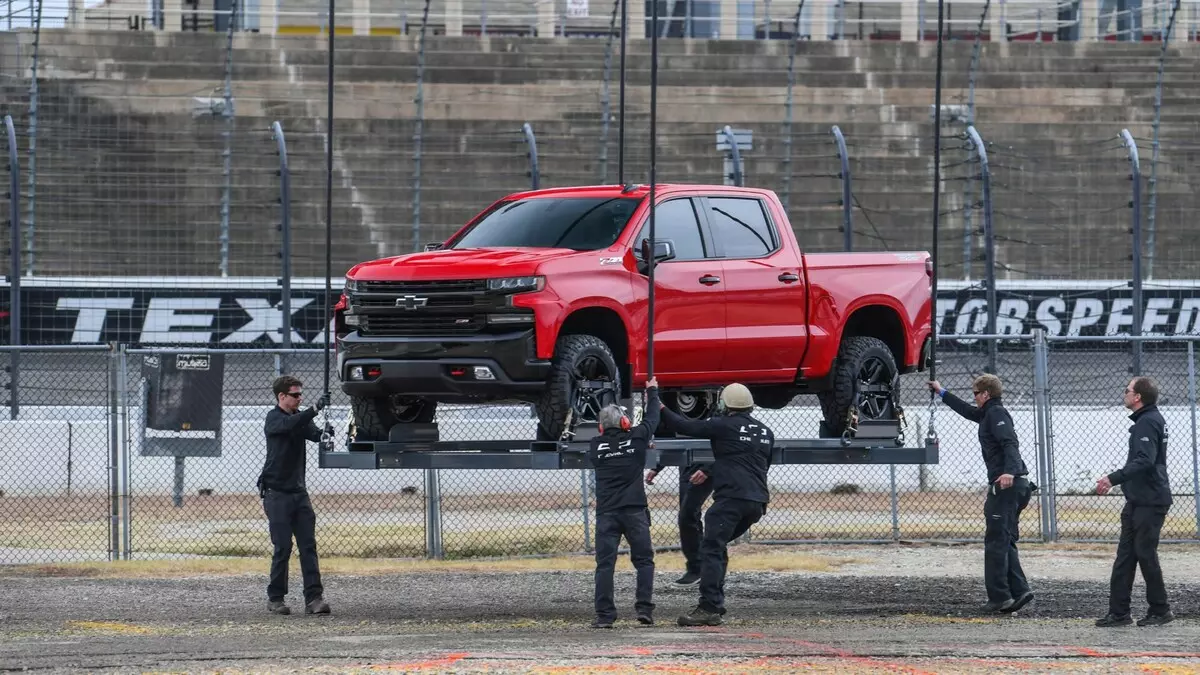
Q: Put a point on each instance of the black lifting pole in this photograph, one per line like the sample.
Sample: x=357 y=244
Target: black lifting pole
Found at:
x=326 y=442
x=621 y=104
x=937 y=183
x=650 y=259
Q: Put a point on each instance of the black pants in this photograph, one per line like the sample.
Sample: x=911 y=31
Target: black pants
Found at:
x=691 y=527
x=291 y=514
x=1141 y=527
x=726 y=520
x=1002 y=573
x=634 y=524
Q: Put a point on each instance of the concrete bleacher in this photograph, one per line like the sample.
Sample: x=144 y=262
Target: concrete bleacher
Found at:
x=130 y=179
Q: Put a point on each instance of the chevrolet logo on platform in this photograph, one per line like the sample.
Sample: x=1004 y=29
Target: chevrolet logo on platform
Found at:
x=411 y=302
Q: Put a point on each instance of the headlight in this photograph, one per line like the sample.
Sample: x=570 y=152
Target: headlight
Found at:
x=517 y=284
x=350 y=287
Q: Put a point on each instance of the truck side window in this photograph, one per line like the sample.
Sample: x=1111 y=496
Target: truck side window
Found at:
x=742 y=227
x=676 y=220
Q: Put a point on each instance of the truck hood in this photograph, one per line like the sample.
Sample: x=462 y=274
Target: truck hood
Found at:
x=467 y=263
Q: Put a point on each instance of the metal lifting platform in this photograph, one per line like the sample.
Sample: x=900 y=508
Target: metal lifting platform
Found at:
x=416 y=447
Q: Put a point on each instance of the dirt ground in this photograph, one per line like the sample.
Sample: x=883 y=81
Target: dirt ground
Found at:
x=846 y=609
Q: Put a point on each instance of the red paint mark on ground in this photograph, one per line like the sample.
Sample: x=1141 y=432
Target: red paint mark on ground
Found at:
x=1087 y=651
x=449 y=659
x=830 y=650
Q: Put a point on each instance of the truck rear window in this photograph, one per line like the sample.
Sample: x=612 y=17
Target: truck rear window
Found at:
x=580 y=223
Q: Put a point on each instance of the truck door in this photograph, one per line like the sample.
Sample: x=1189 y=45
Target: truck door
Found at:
x=689 y=298
x=766 y=326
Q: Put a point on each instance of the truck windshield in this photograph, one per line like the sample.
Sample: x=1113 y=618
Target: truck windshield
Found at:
x=580 y=223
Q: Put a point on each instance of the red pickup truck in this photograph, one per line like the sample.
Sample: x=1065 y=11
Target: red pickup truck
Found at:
x=542 y=298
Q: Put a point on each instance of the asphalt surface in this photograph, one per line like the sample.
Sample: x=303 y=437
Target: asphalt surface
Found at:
x=537 y=622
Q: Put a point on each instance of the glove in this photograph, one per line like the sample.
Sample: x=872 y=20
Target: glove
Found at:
x=322 y=402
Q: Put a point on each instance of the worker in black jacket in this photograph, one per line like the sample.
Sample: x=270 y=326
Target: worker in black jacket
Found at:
x=695 y=487
x=1147 y=491
x=618 y=455
x=285 y=496
x=1008 y=494
x=741 y=447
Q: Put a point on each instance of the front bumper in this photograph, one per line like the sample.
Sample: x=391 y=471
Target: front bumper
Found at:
x=443 y=369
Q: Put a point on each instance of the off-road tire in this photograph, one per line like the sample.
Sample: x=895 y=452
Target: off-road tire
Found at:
x=374 y=416
x=699 y=411
x=555 y=402
x=855 y=353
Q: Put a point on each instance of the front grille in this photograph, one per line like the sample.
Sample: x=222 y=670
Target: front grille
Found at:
x=396 y=325
x=369 y=302
x=450 y=286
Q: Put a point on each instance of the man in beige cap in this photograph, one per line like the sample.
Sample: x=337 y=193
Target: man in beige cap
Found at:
x=741 y=448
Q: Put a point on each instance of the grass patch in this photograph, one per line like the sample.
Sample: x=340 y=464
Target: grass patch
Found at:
x=108 y=628
x=745 y=558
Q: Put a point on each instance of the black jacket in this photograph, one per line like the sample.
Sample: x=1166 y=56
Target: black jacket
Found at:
x=619 y=458
x=1144 y=475
x=997 y=437
x=741 y=448
x=286 y=452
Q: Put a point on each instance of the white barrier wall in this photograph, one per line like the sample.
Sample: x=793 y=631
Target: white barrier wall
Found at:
x=36 y=450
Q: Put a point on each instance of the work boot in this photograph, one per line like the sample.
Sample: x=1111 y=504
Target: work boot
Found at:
x=645 y=618
x=1114 y=620
x=1005 y=606
x=599 y=622
x=1019 y=603
x=317 y=606
x=687 y=579
x=700 y=617
x=277 y=607
x=1156 y=619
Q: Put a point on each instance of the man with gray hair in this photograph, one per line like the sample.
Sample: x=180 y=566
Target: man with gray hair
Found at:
x=618 y=455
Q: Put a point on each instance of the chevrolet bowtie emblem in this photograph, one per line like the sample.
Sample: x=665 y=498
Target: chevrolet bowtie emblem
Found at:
x=411 y=302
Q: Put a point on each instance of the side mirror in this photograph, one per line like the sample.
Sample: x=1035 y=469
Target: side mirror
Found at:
x=434 y=246
x=664 y=250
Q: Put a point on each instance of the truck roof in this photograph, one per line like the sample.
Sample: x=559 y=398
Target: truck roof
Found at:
x=631 y=190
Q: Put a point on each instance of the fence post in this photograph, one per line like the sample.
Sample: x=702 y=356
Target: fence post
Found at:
x=606 y=94
x=226 y=154
x=1040 y=416
x=433 y=515
x=1135 y=203
x=419 y=99
x=1151 y=226
x=786 y=192
x=989 y=243
x=587 y=522
x=847 y=228
x=14 y=274
x=285 y=251
x=126 y=450
x=531 y=146
x=114 y=460
x=1191 y=351
x=735 y=154
x=34 y=95
x=969 y=183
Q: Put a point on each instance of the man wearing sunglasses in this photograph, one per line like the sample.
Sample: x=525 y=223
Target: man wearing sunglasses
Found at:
x=1008 y=494
x=285 y=497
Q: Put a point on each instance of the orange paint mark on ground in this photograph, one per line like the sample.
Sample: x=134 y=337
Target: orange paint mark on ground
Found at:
x=861 y=660
x=449 y=659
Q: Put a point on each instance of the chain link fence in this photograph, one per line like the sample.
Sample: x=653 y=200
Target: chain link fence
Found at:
x=88 y=473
